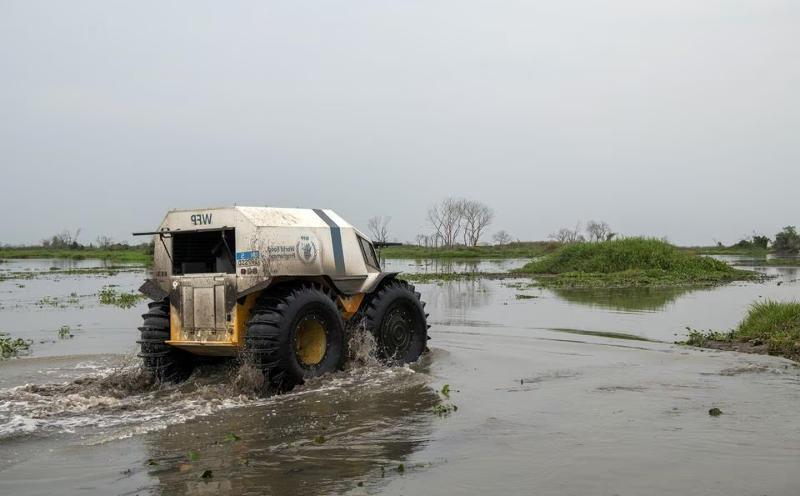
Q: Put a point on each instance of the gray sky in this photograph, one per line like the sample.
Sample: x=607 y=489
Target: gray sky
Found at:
x=671 y=118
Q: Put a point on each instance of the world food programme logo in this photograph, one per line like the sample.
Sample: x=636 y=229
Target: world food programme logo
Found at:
x=306 y=250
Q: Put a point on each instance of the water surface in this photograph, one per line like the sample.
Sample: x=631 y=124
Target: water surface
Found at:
x=547 y=403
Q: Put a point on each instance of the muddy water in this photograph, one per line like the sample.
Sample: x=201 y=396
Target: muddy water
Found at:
x=547 y=403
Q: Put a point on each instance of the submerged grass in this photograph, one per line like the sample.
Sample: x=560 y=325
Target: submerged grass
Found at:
x=528 y=249
x=770 y=326
x=602 y=334
x=630 y=262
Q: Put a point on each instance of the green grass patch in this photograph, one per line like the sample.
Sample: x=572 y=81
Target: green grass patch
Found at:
x=775 y=323
x=132 y=255
x=630 y=262
x=770 y=327
x=530 y=249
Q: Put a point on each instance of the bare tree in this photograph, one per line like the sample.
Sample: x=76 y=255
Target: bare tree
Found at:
x=599 y=231
x=379 y=228
x=566 y=235
x=476 y=218
x=446 y=218
x=501 y=237
x=64 y=239
x=104 y=241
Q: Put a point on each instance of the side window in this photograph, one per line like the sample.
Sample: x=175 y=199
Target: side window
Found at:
x=369 y=253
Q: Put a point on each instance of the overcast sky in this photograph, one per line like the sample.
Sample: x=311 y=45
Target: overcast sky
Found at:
x=669 y=118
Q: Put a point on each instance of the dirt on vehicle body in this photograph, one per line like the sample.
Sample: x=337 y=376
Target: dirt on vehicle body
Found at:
x=276 y=283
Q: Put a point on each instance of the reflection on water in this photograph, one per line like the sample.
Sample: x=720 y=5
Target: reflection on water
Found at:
x=437 y=266
x=323 y=440
x=462 y=295
x=44 y=265
x=624 y=299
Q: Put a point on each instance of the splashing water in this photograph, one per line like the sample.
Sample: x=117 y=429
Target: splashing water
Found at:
x=362 y=348
x=123 y=400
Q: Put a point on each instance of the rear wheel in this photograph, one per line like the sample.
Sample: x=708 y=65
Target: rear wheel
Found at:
x=295 y=333
x=396 y=317
x=164 y=362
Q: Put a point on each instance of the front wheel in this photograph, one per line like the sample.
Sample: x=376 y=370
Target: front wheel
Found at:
x=396 y=317
x=295 y=332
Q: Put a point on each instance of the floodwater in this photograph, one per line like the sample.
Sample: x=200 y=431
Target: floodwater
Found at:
x=548 y=401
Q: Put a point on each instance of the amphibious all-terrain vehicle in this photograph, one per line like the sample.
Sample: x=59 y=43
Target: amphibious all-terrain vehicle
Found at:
x=275 y=285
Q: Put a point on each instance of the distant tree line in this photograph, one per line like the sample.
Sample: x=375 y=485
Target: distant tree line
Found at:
x=787 y=241
x=595 y=231
x=67 y=240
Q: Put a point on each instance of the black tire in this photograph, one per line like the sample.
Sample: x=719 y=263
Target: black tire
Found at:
x=165 y=363
x=277 y=325
x=396 y=316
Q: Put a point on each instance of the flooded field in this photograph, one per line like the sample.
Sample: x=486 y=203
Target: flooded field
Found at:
x=555 y=392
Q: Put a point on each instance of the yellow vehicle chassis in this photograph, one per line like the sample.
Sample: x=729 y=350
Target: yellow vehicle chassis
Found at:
x=231 y=342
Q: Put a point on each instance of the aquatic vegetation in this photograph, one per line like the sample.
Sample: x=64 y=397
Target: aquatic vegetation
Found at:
x=715 y=412
x=521 y=296
x=48 y=301
x=109 y=271
x=193 y=456
x=231 y=437
x=775 y=323
x=65 y=332
x=444 y=409
x=453 y=276
x=110 y=296
x=770 y=327
x=701 y=338
x=11 y=347
x=630 y=262
x=530 y=249
x=319 y=439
